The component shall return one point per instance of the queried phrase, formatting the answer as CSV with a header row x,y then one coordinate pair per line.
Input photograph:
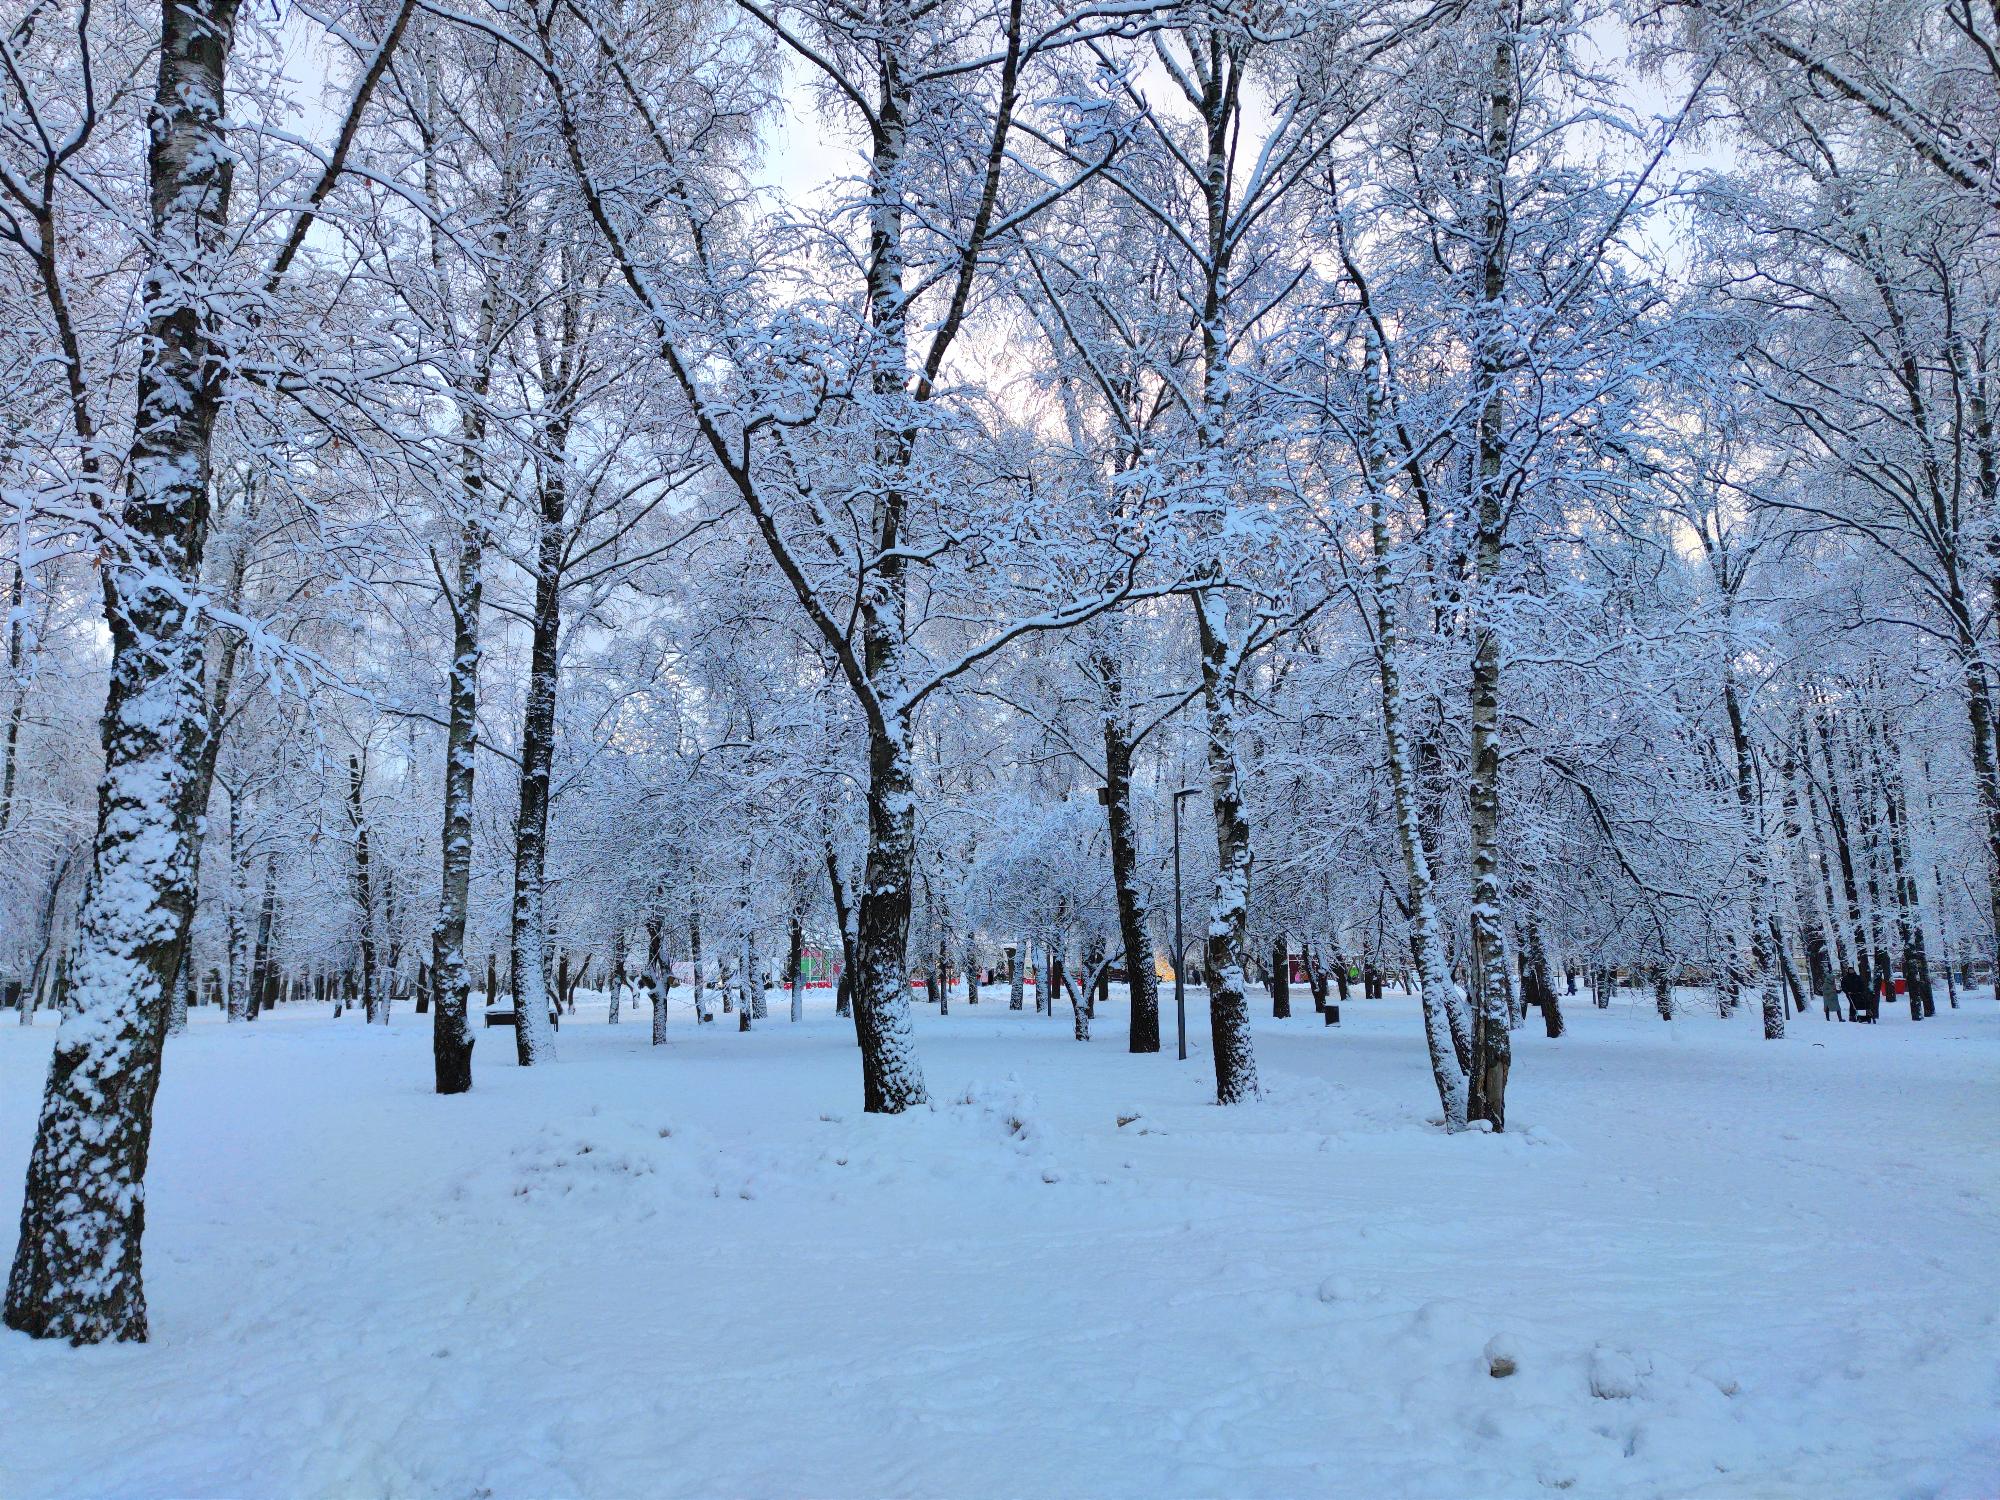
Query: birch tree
x,y
77,1267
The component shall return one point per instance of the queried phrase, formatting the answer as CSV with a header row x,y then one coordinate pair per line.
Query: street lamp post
x,y
1180,943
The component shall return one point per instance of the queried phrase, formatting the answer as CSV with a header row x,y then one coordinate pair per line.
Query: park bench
x,y
503,1015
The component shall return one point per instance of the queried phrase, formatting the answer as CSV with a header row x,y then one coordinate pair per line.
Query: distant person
x,y
1860,1005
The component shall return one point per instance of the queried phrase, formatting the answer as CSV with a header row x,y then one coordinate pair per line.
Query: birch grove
x,y
1507,497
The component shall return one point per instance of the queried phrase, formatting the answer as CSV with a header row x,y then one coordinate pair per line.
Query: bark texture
x,y
1229,912
1143,1032
77,1265
534,1037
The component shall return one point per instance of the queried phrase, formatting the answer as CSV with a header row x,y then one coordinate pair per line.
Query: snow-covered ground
x,y
1722,1267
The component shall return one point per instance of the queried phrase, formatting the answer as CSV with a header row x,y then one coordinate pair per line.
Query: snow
x,y
1708,1265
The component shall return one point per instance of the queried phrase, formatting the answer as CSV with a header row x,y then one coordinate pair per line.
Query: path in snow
x,y
1723,1267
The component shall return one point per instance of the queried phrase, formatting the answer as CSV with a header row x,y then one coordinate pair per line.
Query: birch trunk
x,y
1986,776
202,783
1805,898
1756,862
1079,1010
451,1032
239,900
1436,989
262,980
694,953
1540,987
1859,967
795,968
1868,842
1822,860
660,974
1493,984
891,1080
1434,983
18,708
942,970
843,993
534,1038
1909,917
615,967
1143,1033
51,941
372,995
77,1265
236,942
1229,912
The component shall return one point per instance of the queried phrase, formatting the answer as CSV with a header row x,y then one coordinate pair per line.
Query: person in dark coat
x,y
1860,1004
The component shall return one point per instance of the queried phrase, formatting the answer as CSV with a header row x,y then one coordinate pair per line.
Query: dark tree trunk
x,y
1054,985
1909,917
261,969
659,975
752,989
373,994
1143,1029
1079,1011
891,1080
1535,986
843,994
1868,844
795,971
1822,862
1749,805
1837,821
1792,831
1317,978
694,954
